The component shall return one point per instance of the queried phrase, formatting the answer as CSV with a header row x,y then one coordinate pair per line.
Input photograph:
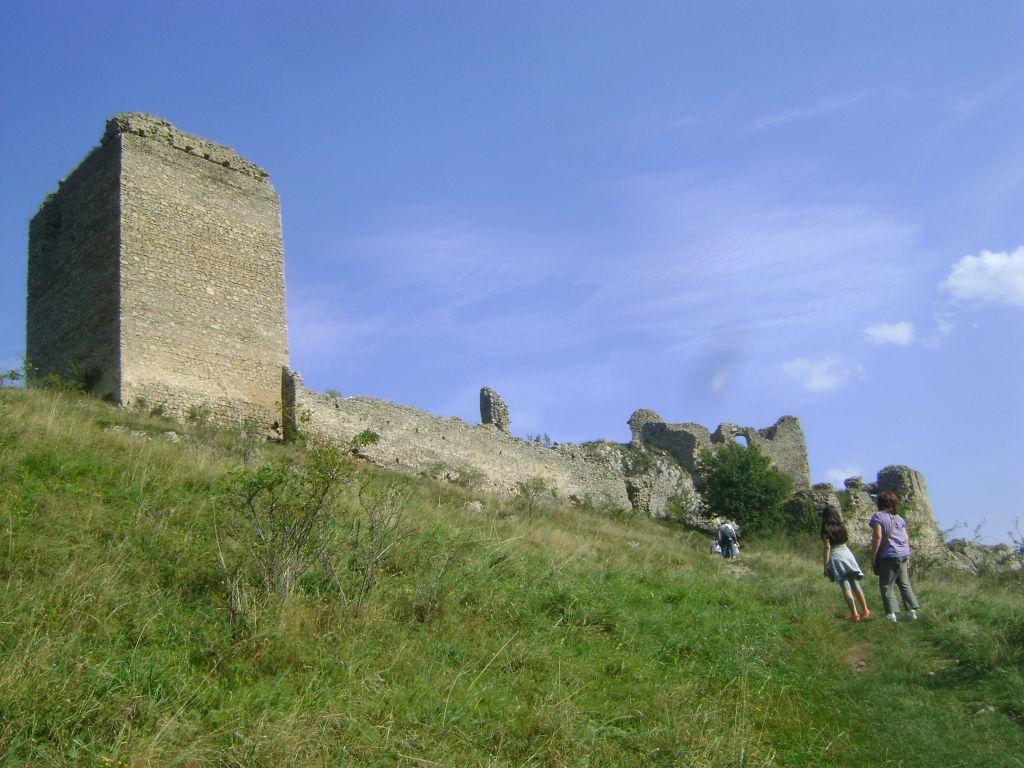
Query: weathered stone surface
x,y
494,411
822,497
910,486
157,270
819,498
783,443
683,441
972,557
641,419
859,509
415,441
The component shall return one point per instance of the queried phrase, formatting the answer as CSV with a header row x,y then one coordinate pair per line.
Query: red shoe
x,y
867,615
853,617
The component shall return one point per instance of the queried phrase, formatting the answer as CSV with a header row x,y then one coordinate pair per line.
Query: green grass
x,y
512,637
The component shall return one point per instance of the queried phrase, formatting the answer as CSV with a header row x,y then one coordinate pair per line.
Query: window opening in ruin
x,y
742,440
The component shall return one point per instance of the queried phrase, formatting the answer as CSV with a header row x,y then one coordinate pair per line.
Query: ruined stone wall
x,y
417,442
858,510
72,308
202,274
915,502
156,273
916,506
158,267
683,441
783,442
493,410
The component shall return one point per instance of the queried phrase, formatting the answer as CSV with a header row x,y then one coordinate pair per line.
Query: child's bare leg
x,y
848,597
858,595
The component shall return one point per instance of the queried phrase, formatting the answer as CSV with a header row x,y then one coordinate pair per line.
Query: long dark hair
x,y
833,528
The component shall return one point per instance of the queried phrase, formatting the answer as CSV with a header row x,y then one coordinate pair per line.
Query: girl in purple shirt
x,y
890,557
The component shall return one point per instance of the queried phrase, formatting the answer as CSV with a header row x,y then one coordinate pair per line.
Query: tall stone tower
x,y
156,272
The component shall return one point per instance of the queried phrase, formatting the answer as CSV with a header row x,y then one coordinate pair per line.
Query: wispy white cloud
x,y
900,334
989,278
722,266
458,261
823,107
701,281
825,375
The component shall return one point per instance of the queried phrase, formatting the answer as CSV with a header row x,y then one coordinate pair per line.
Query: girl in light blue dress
x,y
841,565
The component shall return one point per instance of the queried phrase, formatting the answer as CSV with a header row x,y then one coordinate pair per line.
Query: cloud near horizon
x,y
900,334
989,278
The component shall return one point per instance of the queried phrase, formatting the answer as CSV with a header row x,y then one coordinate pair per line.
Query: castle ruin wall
x,y
915,505
202,274
418,442
159,263
72,323
783,443
683,441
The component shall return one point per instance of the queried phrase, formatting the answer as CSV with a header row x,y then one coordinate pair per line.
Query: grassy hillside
x,y
520,635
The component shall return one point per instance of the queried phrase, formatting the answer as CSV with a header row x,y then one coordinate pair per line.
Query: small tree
x,y
740,483
283,517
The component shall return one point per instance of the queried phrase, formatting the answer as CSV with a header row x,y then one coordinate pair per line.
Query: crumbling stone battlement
x,y
859,505
494,411
783,442
155,129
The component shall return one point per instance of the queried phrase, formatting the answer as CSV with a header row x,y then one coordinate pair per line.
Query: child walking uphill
x,y
841,565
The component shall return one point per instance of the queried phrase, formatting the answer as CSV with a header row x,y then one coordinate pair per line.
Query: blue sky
x,y
719,211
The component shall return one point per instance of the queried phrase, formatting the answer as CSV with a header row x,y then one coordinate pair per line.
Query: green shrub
x,y
740,483
801,517
365,438
282,517
198,415
684,506
470,478
532,496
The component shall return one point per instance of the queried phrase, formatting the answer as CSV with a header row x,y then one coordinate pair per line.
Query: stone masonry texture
x,y
494,411
72,307
783,442
915,504
169,247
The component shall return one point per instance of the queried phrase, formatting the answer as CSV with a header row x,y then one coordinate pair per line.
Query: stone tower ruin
x,y
156,276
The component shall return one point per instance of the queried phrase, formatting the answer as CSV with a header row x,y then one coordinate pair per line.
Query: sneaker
x,y
853,617
912,614
892,617
866,615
